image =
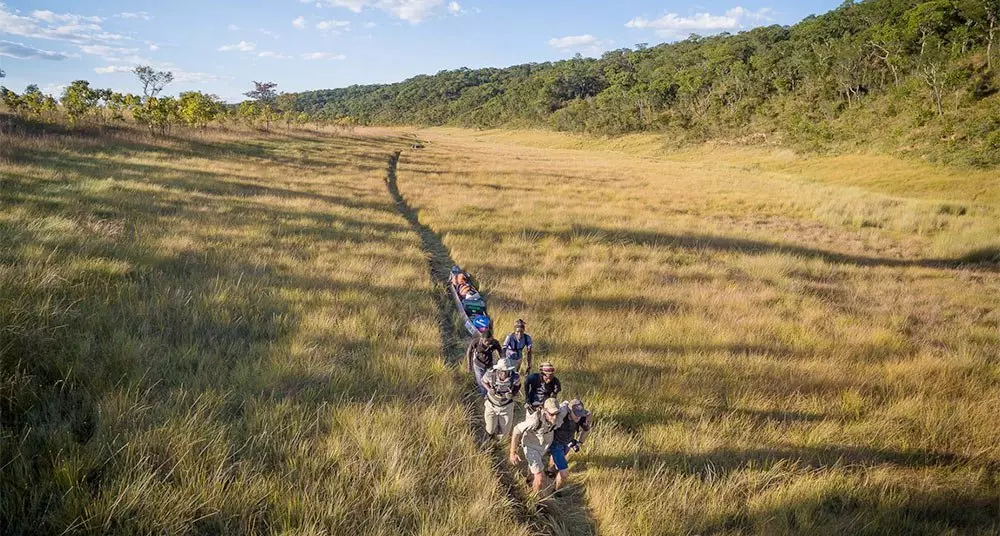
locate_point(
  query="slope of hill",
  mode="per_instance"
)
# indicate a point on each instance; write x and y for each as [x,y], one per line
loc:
[897,76]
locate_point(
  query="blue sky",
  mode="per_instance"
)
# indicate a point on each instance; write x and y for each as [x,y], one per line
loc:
[220,46]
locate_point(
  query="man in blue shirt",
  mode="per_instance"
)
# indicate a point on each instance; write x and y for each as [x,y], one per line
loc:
[517,345]
[539,386]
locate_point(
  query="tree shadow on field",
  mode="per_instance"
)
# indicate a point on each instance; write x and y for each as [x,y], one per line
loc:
[718,243]
[202,320]
[900,509]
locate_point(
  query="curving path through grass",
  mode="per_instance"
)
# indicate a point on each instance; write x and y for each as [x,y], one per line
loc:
[569,515]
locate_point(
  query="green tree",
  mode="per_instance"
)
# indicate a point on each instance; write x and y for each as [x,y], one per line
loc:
[197,108]
[152,80]
[158,113]
[265,96]
[79,99]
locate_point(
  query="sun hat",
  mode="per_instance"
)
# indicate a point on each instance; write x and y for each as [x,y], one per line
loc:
[551,406]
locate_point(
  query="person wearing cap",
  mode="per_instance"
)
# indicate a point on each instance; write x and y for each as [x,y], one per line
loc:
[565,439]
[502,384]
[534,436]
[541,386]
[483,352]
[517,345]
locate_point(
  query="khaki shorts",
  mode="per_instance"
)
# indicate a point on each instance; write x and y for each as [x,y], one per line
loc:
[498,418]
[535,459]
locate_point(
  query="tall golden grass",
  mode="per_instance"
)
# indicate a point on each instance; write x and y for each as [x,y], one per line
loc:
[224,333]
[771,345]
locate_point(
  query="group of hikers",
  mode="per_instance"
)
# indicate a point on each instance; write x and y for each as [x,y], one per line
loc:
[549,427]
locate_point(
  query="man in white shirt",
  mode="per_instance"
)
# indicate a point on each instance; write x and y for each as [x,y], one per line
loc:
[534,436]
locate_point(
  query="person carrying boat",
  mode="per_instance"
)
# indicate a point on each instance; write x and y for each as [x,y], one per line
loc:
[460,280]
[533,437]
[541,386]
[517,345]
[565,439]
[502,384]
[480,356]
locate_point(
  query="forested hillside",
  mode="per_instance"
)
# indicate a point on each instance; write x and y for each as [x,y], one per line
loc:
[900,76]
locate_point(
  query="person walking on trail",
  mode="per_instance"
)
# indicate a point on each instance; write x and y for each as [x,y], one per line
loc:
[534,436]
[517,345]
[483,352]
[565,439]
[502,384]
[541,386]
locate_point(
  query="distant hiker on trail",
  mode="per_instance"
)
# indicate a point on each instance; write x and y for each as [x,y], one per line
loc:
[480,356]
[565,439]
[502,384]
[517,345]
[540,386]
[534,436]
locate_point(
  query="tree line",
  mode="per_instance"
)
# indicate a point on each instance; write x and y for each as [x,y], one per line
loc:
[80,102]
[928,65]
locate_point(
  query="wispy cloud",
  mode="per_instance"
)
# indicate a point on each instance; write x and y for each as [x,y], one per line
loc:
[233,27]
[242,46]
[273,55]
[44,24]
[269,33]
[25,52]
[134,15]
[322,56]
[112,69]
[580,43]
[299,22]
[675,26]
[332,24]
[413,11]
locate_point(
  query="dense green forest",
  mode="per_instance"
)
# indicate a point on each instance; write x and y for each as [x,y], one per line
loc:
[891,75]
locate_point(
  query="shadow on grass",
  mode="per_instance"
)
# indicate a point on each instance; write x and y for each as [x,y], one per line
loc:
[724,244]
[205,320]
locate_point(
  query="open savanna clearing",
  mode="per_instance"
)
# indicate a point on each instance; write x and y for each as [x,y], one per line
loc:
[224,333]
[770,344]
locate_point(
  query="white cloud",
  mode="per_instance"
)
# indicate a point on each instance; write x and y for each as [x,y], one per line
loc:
[274,55]
[413,11]
[332,24]
[25,52]
[674,26]
[322,56]
[107,52]
[233,27]
[268,33]
[242,46]
[110,69]
[584,44]
[370,25]
[299,23]
[573,41]
[134,15]
[43,24]
[153,47]
[454,8]
[69,18]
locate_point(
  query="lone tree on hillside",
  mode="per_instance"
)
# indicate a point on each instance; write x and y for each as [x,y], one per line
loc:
[152,81]
[264,95]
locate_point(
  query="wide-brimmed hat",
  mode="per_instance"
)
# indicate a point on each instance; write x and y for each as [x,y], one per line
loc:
[551,406]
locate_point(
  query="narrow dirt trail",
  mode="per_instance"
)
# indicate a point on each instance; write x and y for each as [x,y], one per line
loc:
[567,516]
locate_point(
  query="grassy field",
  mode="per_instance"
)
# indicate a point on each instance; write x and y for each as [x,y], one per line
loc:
[771,344]
[224,333]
